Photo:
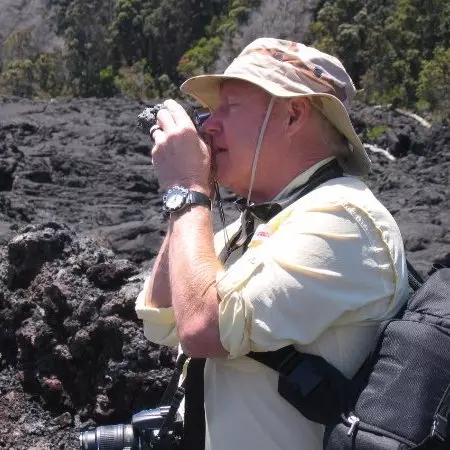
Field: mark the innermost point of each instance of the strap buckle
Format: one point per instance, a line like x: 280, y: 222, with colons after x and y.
x: 439, y: 429
x: 301, y: 373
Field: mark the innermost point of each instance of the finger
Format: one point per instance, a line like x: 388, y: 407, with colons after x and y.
x: 154, y: 128
x: 165, y: 119
x: 157, y: 135
x: 179, y: 114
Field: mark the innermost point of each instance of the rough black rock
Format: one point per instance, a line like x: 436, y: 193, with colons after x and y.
x: 80, y: 225
x: 71, y: 345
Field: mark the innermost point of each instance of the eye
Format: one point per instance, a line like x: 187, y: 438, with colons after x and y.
x: 233, y: 106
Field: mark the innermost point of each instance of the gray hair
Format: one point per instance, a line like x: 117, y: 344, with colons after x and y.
x: 330, y: 135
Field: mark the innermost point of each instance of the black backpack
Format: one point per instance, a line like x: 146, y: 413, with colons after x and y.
x: 400, y: 399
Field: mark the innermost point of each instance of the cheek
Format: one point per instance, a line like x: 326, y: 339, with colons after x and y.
x: 241, y: 137
x: 240, y: 154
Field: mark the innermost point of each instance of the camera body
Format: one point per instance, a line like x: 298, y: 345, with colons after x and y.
x: 143, y: 433
x: 147, y: 118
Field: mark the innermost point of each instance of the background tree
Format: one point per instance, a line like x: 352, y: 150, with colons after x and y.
x: 18, y: 78
x: 433, y: 91
x: 177, y: 24
x: 87, y: 22
x: 19, y: 45
x: 50, y: 74
x: 383, y: 43
x: 282, y: 19
x: 128, y: 41
x: 205, y: 52
x: 136, y: 81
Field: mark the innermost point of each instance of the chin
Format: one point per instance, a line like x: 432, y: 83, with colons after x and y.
x: 220, y: 174
x: 231, y: 179
x: 222, y: 180
x: 226, y: 183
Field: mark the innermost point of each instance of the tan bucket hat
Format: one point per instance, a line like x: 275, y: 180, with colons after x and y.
x: 290, y: 69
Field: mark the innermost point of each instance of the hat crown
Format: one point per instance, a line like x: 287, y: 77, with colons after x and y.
x: 294, y: 66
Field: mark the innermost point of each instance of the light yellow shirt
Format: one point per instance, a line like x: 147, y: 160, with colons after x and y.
x: 320, y: 275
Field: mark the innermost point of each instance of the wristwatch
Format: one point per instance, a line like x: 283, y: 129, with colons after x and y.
x: 178, y: 198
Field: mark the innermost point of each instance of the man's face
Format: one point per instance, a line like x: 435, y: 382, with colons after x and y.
x: 234, y: 128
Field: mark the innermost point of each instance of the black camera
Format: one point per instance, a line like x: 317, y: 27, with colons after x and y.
x: 144, y: 433
x: 147, y: 118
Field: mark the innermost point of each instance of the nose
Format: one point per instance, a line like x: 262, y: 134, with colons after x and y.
x: 211, y: 124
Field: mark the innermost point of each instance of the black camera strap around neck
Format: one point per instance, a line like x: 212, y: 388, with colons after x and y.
x: 263, y: 212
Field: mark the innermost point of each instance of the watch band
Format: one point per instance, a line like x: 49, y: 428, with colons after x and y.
x: 178, y: 198
x: 197, y: 198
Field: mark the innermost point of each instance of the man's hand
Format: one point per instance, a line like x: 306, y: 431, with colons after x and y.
x: 180, y: 156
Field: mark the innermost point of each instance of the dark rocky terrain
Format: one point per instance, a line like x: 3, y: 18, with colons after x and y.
x: 80, y: 224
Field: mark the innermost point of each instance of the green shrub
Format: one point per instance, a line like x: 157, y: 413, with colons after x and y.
x: 199, y: 58
x: 107, y: 86
x: 18, y: 79
x: 375, y: 132
x: 433, y: 91
x: 136, y: 82
x: 50, y: 74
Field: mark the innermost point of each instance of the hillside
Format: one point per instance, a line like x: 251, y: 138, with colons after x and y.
x: 145, y: 48
x: 27, y: 16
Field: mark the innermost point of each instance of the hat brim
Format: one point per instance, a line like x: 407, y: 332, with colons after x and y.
x: 206, y: 89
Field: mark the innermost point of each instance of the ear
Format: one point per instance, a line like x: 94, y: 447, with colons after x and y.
x: 299, y: 110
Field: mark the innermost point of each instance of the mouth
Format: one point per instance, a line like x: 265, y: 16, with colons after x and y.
x: 214, y: 147
x: 217, y: 148
x: 216, y: 151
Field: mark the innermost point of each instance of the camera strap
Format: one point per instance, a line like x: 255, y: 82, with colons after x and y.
x: 173, y: 395
x: 252, y: 213
x: 194, y: 420
x: 173, y: 383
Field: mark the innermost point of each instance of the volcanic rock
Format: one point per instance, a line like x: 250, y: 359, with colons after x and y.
x: 80, y: 226
x: 72, y: 349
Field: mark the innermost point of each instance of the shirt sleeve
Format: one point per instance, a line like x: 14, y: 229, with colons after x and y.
x: 305, y: 271
x: 159, y: 323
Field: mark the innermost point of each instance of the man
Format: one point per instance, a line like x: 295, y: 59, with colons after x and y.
x: 321, y: 274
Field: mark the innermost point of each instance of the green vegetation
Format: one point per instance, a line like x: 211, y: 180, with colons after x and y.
x: 377, y: 131
x: 397, y: 51
x: 200, y: 58
x: 433, y: 90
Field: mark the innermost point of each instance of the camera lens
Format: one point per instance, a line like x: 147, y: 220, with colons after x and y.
x: 200, y: 118
x: 109, y: 437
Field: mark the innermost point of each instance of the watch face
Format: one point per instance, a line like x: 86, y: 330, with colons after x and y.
x: 175, y: 198
x: 175, y: 201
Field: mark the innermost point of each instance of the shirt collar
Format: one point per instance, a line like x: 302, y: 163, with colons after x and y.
x: 301, y: 178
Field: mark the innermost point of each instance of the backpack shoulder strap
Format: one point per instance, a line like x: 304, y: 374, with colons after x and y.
x: 414, y: 279
x: 273, y: 359
x: 440, y: 430
x: 310, y: 383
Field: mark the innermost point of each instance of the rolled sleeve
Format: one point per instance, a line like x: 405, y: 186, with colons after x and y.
x: 159, y: 323
x: 318, y: 268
